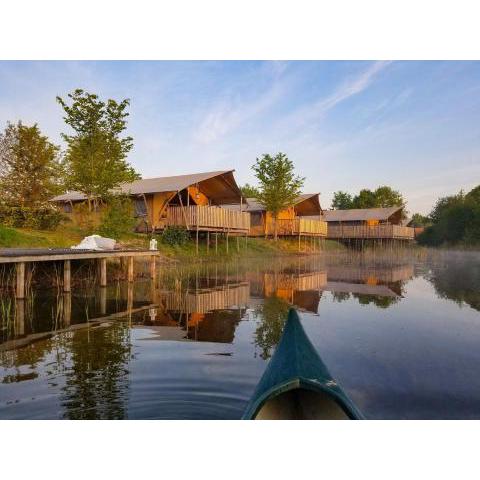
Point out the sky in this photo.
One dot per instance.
(346, 125)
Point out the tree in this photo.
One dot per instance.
(96, 154)
(30, 166)
(387, 197)
(419, 220)
(365, 199)
(249, 191)
(342, 201)
(455, 219)
(279, 186)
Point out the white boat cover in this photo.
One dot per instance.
(96, 242)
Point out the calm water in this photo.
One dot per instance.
(401, 336)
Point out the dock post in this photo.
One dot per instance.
(238, 244)
(130, 269)
(196, 241)
(19, 316)
(20, 291)
(208, 243)
(103, 272)
(227, 242)
(216, 243)
(67, 273)
(153, 267)
(67, 309)
(103, 301)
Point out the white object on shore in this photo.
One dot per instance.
(95, 242)
(153, 244)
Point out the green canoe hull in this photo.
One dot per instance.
(297, 384)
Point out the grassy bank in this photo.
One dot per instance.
(67, 235)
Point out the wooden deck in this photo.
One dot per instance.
(23, 258)
(300, 226)
(370, 232)
(208, 219)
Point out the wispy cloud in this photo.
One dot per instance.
(235, 110)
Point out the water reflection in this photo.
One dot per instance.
(193, 331)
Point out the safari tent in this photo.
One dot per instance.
(291, 221)
(192, 201)
(367, 223)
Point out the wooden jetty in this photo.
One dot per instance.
(22, 259)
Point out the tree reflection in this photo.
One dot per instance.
(458, 280)
(97, 382)
(271, 315)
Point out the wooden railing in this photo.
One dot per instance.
(208, 218)
(299, 226)
(365, 231)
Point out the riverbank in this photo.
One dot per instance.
(67, 235)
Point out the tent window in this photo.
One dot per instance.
(140, 208)
(256, 219)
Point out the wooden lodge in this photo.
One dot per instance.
(291, 221)
(190, 201)
(367, 223)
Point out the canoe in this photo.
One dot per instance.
(297, 385)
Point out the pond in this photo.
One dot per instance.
(399, 333)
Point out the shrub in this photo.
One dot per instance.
(175, 236)
(42, 217)
(118, 218)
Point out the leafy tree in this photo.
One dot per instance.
(419, 220)
(342, 201)
(249, 191)
(365, 199)
(387, 197)
(455, 219)
(118, 218)
(279, 186)
(96, 155)
(30, 166)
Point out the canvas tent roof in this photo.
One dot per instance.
(359, 214)
(219, 186)
(306, 203)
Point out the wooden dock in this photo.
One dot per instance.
(23, 258)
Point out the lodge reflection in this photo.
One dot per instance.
(205, 304)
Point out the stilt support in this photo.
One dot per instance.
(67, 275)
(20, 291)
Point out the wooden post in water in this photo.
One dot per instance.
(103, 300)
(103, 272)
(20, 290)
(67, 309)
(19, 316)
(238, 244)
(153, 267)
(130, 269)
(227, 241)
(67, 274)
(208, 242)
(216, 243)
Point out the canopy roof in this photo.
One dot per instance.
(218, 186)
(360, 214)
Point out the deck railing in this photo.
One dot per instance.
(374, 231)
(208, 218)
(300, 226)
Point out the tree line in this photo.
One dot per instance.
(33, 169)
(455, 219)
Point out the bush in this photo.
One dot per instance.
(118, 218)
(175, 236)
(44, 217)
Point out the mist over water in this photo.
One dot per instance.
(399, 332)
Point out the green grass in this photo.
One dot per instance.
(67, 235)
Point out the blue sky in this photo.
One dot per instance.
(346, 125)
